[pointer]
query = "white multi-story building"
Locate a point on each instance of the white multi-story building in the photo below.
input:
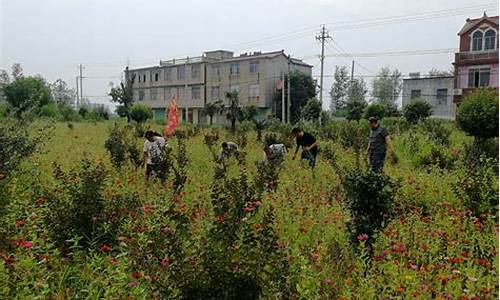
(196, 81)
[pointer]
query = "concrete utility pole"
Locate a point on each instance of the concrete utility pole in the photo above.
(77, 97)
(288, 100)
(186, 94)
(283, 118)
(81, 82)
(322, 38)
(352, 79)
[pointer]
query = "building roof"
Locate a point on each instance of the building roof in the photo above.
(472, 23)
(430, 77)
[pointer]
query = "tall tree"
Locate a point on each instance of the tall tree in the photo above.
(61, 93)
(26, 93)
(387, 86)
(339, 91)
(4, 77)
(124, 94)
(213, 108)
(17, 71)
(357, 91)
(302, 88)
(234, 108)
(438, 73)
(312, 110)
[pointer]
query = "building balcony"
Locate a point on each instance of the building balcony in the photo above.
(476, 57)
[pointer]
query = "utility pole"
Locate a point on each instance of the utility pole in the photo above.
(81, 82)
(352, 80)
(186, 94)
(77, 97)
(283, 118)
(322, 38)
(289, 100)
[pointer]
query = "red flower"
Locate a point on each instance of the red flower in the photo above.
(133, 283)
(328, 281)
(105, 248)
(482, 262)
(165, 262)
(258, 203)
(24, 244)
(112, 260)
(248, 209)
(398, 247)
(455, 260)
(19, 223)
(40, 200)
(147, 208)
(136, 275)
(362, 237)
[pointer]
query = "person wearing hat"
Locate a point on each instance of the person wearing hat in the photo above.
(377, 145)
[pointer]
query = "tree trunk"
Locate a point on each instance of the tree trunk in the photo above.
(233, 124)
(211, 120)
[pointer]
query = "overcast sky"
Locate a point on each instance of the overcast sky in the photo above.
(51, 37)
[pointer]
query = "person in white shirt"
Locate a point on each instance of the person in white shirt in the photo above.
(274, 153)
(228, 149)
(153, 152)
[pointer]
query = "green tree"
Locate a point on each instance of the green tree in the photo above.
(234, 108)
(302, 88)
(26, 93)
(339, 91)
(417, 110)
(124, 94)
(357, 90)
(61, 93)
(478, 114)
(248, 113)
(355, 110)
(213, 108)
(375, 110)
(438, 73)
(17, 71)
(386, 87)
(311, 111)
(140, 113)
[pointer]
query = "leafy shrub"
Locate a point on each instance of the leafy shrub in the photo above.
(477, 188)
(49, 110)
(355, 110)
(100, 112)
(396, 125)
(77, 208)
(417, 110)
(122, 146)
(378, 111)
(67, 113)
(311, 111)
(368, 196)
(140, 113)
(436, 130)
(435, 155)
(84, 112)
(478, 114)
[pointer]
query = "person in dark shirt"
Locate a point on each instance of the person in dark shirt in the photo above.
(309, 146)
(377, 145)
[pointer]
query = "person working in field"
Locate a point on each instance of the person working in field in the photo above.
(228, 149)
(377, 145)
(153, 152)
(274, 153)
(309, 146)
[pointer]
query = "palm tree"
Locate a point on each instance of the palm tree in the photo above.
(234, 108)
(213, 108)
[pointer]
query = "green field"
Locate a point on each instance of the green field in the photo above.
(157, 243)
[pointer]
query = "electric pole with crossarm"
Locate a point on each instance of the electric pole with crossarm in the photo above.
(322, 37)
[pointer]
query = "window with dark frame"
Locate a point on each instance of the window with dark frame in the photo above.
(168, 74)
(157, 76)
(477, 41)
(442, 96)
(216, 70)
(141, 95)
(181, 72)
(215, 92)
(479, 77)
(234, 69)
(254, 67)
(490, 40)
(195, 71)
(195, 93)
(414, 94)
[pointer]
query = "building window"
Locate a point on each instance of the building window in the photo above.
(144, 78)
(141, 95)
(479, 77)
(195, 71)
(414, 94)
(235, 88)
(442, 96)
(253, 90)
(166, 93)
(254, 66)
(477, 41)
(216, 70)
(157, 76)
(153, 94)
(168, 74)
(215, 92)
(180, 92)
(181, 72)
(234, 69)
(139, 78)
(490, 40)
(195, 93)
